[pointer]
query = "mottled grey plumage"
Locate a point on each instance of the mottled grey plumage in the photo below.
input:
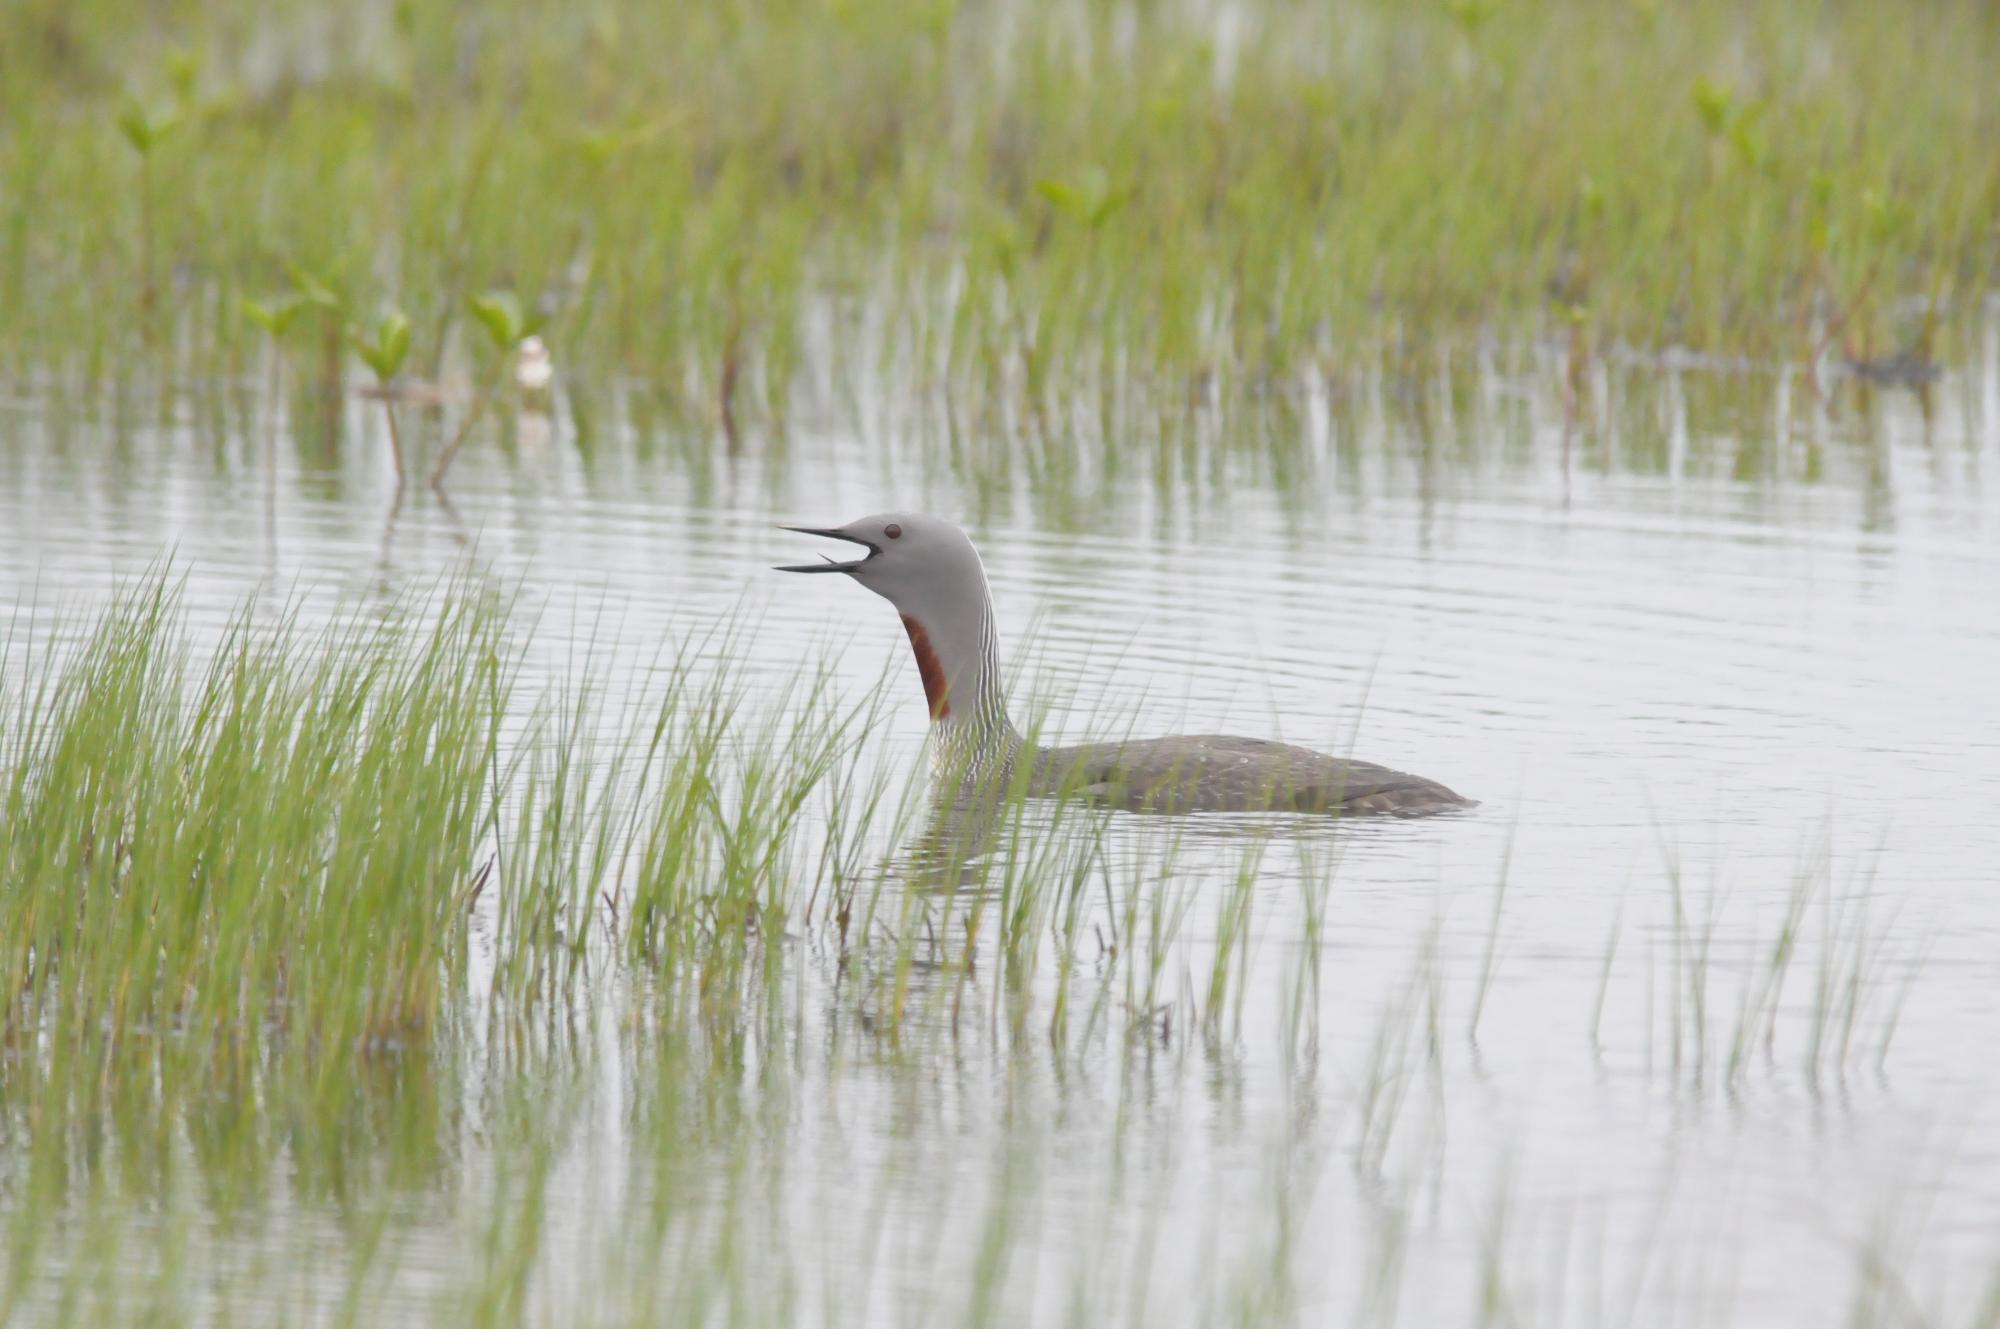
(929, 570)
(1224, 773)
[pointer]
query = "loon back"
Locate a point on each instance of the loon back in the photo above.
(1223, 773)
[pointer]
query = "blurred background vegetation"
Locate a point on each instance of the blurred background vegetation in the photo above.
(687, 191)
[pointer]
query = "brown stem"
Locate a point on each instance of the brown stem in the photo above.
(450, 510)
(148, 289)
(458, 437)
(732, 368)
(395, 438)
(1838, 323)
(272, 404)
(1815, 285)
(389, 525)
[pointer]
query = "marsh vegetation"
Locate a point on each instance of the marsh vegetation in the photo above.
(1042, 198)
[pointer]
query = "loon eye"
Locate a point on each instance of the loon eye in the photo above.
(893, 531)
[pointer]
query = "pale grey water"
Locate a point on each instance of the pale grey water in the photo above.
(1717, 625)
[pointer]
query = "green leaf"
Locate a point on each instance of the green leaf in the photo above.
(275, 318)
(1109, 205)
(1092, 200)
(1063, 196)
(1590, 199)
(1885, 215)
(385, 355)
(315, 290)
(599, 146)
(1472, 15)
(499, 312)
(183, 72)
(143, 129)
(1749, 143)
(1715, 103)
(394, 339)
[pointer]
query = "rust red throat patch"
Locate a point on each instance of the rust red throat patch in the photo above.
(929, 668)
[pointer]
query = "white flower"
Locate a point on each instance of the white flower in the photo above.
(533, 370)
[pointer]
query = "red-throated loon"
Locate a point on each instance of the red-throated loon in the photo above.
(928, 569)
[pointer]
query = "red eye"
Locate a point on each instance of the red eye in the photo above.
(893, 531)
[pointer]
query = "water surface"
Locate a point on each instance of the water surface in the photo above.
(1702, 644)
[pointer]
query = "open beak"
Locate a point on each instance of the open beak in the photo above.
(830, 565)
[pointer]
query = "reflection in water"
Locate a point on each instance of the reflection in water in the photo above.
(1695, 1008)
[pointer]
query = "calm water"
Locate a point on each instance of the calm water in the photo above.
(1713, 644)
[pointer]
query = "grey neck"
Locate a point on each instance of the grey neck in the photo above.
(958, 658)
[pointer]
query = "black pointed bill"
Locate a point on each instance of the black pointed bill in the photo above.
(830, 565)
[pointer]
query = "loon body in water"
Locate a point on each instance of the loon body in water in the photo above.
(928, 569)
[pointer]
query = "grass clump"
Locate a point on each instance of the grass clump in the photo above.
(276, 841)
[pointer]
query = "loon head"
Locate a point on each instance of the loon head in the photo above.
(925, 566)
(929, 570)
